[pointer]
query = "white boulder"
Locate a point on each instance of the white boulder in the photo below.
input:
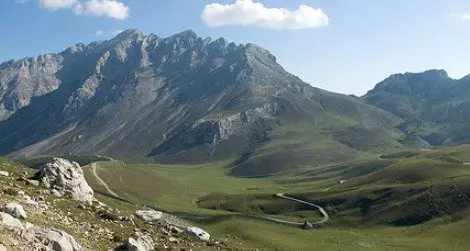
(55, 239)
(144, 243)
(149, 215)
(14, 209)
(65, 177)
(4, 173)
(9, 221)
(199, 233)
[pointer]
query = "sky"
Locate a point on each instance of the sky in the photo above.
(345, 46)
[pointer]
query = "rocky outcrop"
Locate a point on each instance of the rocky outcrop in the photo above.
(65, 177)
(149, 215)
(55, 239)
(14, 209)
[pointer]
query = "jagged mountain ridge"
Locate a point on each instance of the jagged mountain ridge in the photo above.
(181, 99)
(434, 106)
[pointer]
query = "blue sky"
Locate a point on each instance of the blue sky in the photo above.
(363, 41)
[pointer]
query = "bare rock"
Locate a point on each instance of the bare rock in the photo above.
(149, 215)
(33, 182)
(4, 173)
(144, 243)
(199, 233)
(14, 209)
(65, 177)
(9, 221)
(55, 239)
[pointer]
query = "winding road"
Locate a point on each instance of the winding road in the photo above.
(93, 167)
(325, 215)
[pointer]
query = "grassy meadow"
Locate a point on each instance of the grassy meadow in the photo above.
(411, 200)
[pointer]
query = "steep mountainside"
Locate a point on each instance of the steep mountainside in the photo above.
(434, 106)
(181, 99)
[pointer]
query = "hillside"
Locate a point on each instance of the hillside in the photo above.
(34, 216)
(409, 200)
(434, 106)
(182, 99)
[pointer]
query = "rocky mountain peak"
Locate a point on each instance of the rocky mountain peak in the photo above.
(129, 34)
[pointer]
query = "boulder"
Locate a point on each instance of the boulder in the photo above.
(33, 182)
(9, 221)
(65, 177)
(14, 209)
(149, 215)
(4, 173)
(55, 239)
(199, 233)
(144, 243)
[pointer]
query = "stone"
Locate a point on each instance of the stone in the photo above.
(4, 173)
(65, 177)
(55, 239)
(56, 193)
(149, 215)
(143, 243)
(173, 240)
(176, 230)
(28, 225)
(33, 182)
(308, 226)
(199, 233)
(14, 209)
(9, 221)
(30, 201)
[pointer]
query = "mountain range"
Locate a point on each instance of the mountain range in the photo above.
(187, 99)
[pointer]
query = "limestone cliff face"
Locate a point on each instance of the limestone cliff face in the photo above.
(179, 98)
(21, 81)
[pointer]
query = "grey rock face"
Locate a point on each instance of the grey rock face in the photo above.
(23, 80)
(14, 209)
(55, 239)
(65, 177)
(176, 99)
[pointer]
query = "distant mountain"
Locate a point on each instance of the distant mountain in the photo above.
(182, 99)
(434, 107)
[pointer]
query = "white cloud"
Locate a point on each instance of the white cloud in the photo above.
(247, 12)
(57, 4)
(108, 33)
(109, 8)
(465, 16)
